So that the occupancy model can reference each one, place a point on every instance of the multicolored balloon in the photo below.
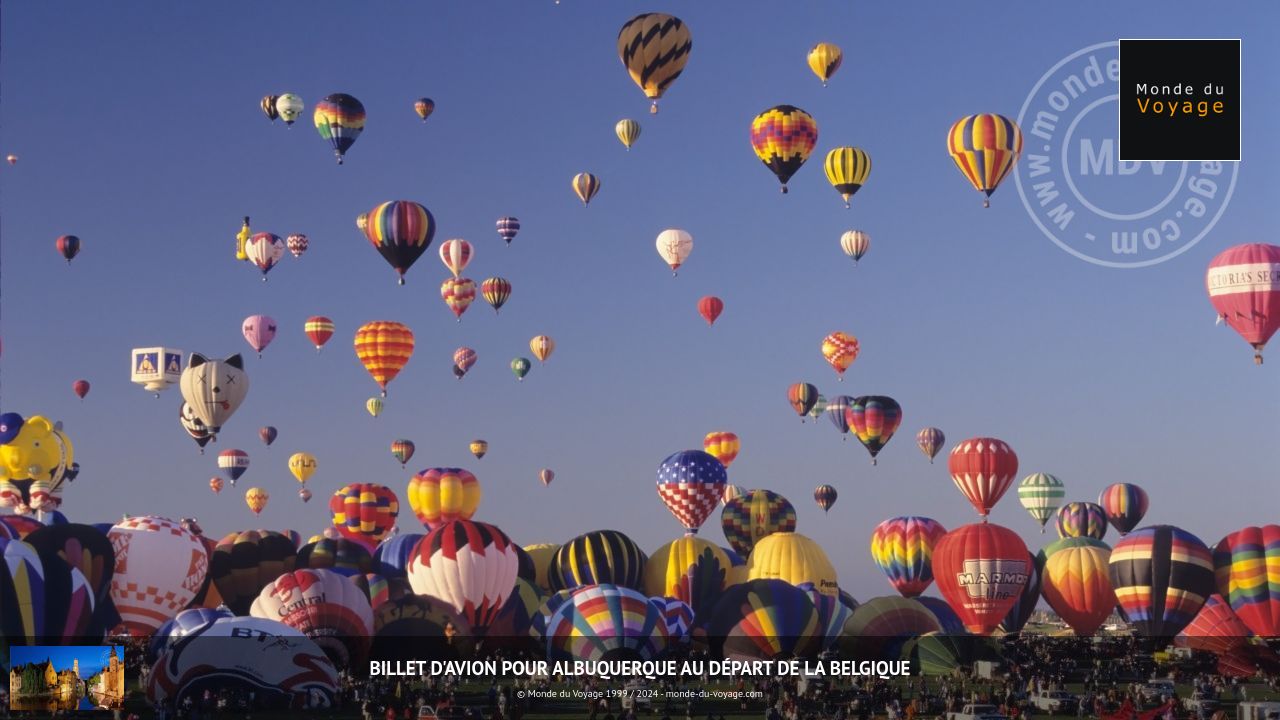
(902, 547)
(783, 138)
(753, 516)
(1244, 286)
(985, 148)
(542, 346)
(1162, 576)
(983, 469)
(824, 59)
(607, 621)
(1082, 519)
(689, 569)
(981, 570)
(1041, 494)
(268, 105)
(68, 247)
(458, 293)
(690, 483)
(1125, 505)
(507, 228)
(762, 620)
(825, 496)
(364, 513)
(478, 448)
(256, 499)
(424, 107)
(840, 350)
(233, 463)
(495, 291)
(215, 484)
(930, 440)
(1076, 582)
(585, 185)
(722, 445)
(628, 131)
(402, 450)
(654, 47)
(802, 396)
(463, 359)
(819, 407)
(339, 118)
(264, 250)
(847, 170)
(874, 418)
(384, 348)
(318, 329)
(325, 606)
(401, 231)
(441, 495)
(456, 254)
(1247, 569)
(267, 434)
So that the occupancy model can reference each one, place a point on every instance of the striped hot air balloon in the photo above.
(401, 231)
(1076, 582)
(384, 348)
(802, 396)
(458, 294)
(825, 496)
(930, 440)
(1162, 576)
(902, 547)
(364, 513)
(847, 169)
(1041, 494)
(495, 291)
(440, 495)
(1247, 567)
(874, 418)
(985, 148)
(1125, 505)
(722, 445)
(983, 469)
(690, 483)
(339, 118)
(585, 185)
(319, 329)
(507, 228)
(402, 450)
(595, 558)
(654, 47)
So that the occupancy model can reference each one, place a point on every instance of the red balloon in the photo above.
(981, 570)
(983, 468)
(1244, 286)
(80, 388)
(710, 308)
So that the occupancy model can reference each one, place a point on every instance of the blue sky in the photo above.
(92, 657)
(138, 129)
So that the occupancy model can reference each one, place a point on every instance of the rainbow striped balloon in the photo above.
(1247, 566)
(1162, 576)
(903, 548)
(1125, 505)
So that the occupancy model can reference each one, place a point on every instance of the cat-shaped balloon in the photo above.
(214, 389)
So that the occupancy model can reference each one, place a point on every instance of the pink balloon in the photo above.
(259, 331)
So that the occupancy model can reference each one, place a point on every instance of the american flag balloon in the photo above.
(690, 483)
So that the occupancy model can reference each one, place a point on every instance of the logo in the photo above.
(1103, 210)
(1180, 100)
(997, 579)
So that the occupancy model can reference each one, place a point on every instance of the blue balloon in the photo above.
(10, 424)
(180, 625)
(391, 557)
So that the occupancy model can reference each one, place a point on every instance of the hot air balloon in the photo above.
(837, 412)
(12, 159)
(628, 131)
(983, 469)
(882, 626)
(542, 346)
(824, 60)
(674, 246)
(825, 496)
(1076, 582)
(46, 599)
(440, 495)
(690, 483)
(159, 566)
(1023, 608)
(1247, 568)
(847, 170)
(1244, 286)
(607, 622)
(80, 388)
(233, 464)
(68, 247)
(903, 547)
(545, 476)
(690, 569)
(598, 557)
(267, 434)
(289, 106)
(264, 250)
(840, 350)
(874, 418)
(374, 406)
(1162, 575)
(521, 366)
(1041, 494)
(84, 549)
(297, 244)
(585, 185)
(930, 440)
(304, 494)
(384, 348)
(180, 626)
(710, 307)
(215, 484)
(472, 566)
(802, 397)
(855, 244)
(424, 107)
(243, 563)
(194, 427)
(458, 294)
(258, 331)
(1216, 629)
(456, 255)
(214, 389)
(325, 606)
(722, 445)
(339, 119)
(654, 47)
(334, 552)
(364, 513)
(763, 620)
(268, 106)
(1082, 519)
(478, 448)
(507, 228)
(256, 499)
(402, 450)
(1125, 505)
(302, 466)
(985, 148)
(754, 515)
(495, 291)
(783, 138)
(319, 329)
(981, 570)
(400, 230)
(463, 359)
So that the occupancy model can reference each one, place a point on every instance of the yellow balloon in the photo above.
(628, 131)
(374, 406)
(542, 554)
(654, 47)
(241, 238)
(440, 495)
(479, 448)
(542, 347)
(302, 465)
(793, 558)
(256, 499)
(667, 571)
(824, 60)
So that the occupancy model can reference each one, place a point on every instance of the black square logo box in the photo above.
(1180, 100)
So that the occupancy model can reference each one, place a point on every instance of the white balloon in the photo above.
(674, 246)
(214, 389)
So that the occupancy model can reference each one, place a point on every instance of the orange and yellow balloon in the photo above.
(256, 499)
(840, 349)
(985, 148)
(384, 348)
(824, 60)
(441, 495)
(542, 346)
(722, 445)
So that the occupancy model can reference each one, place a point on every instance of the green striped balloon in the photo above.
(1041, 494)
